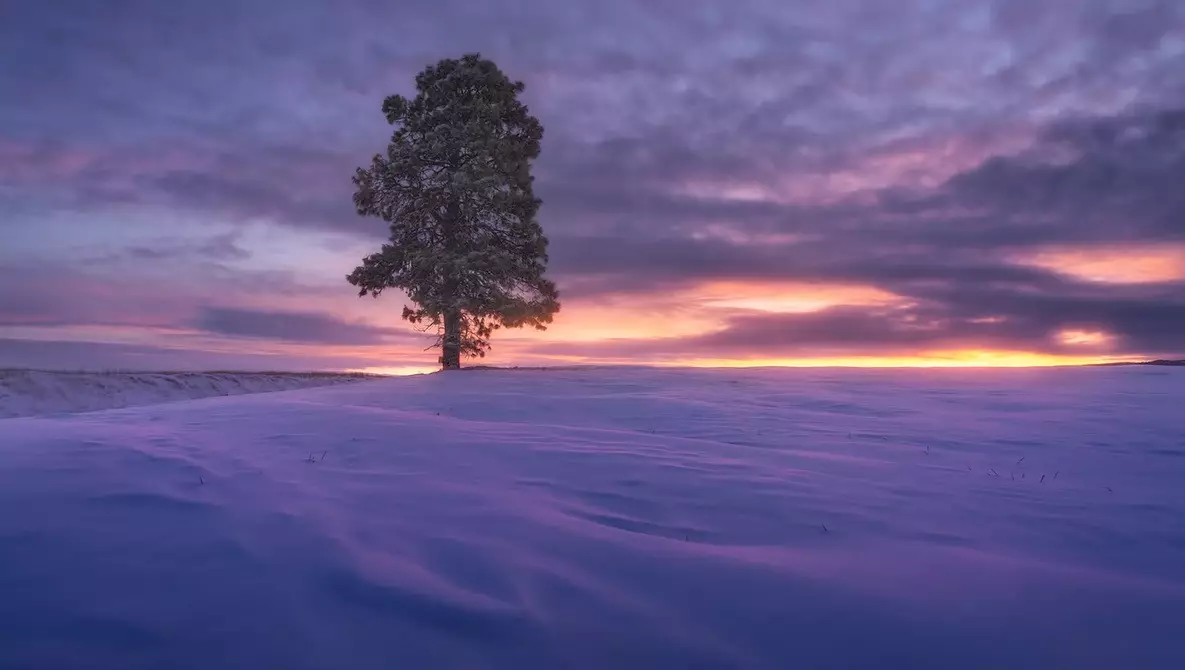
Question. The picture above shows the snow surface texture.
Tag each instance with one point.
(608, 519)
(41, 392)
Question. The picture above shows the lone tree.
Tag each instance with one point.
(455, 186)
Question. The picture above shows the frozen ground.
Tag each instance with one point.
(608, 519)
(42, 392)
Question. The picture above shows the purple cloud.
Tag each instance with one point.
(300, 327)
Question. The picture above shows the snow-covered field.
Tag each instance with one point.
(42, 392)
(608, 519)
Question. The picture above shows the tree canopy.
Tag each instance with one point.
(455, 186)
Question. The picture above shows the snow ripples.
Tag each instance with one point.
(628, 518)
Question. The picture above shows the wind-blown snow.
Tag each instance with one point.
(608, 519)
(42, 392)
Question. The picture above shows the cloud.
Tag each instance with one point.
(300, 327)
(769, 92)
(224, 247)
(65, 297)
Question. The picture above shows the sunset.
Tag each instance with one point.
(816, 184)
(592, 334)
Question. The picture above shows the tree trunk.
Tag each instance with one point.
(450, 357)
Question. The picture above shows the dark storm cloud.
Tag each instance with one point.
(300, 327)
(1143, 318)
(1113, 179)
(915, 146)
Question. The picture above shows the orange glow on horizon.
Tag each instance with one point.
(694, 310)
(945, 359)
(953, 359)
(396, 371)
(633, 318)
(961, 358)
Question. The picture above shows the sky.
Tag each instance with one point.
(740, 182)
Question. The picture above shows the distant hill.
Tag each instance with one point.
(1159, 361)
(45, 392)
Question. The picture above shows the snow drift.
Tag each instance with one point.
(41, 392)
(608, 519)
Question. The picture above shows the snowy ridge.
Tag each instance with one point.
(41, 392)
(608, 519)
